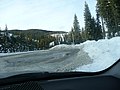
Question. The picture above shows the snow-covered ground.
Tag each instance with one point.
(103, 52)
(64, 47)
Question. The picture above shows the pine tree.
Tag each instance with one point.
(72, 36)
(115, 4)
(93, 32)
(110, 11)
(69, 37)
(6, 45)
(87, 19)
(103, 28)
(99, 33)
(104, 12)
(83, 35)
(76, 37)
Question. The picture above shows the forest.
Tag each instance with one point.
(106, 24)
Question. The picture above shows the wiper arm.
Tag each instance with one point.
(40, 76)
(24, 78)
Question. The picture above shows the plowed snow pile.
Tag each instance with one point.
(104, 53)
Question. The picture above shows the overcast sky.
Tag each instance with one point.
(55, 15)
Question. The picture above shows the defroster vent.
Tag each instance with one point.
(33, 85)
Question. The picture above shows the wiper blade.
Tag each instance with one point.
(40, 76)
(23, 78)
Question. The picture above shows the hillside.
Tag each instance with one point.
(28, 40)
(34, 32)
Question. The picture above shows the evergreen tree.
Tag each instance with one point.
(70, 37)
(83, 35)
(76, 37)
(115, 4)
(73, 35)
(110, 11)
(93, 31)
(98, 33)
(104, 10)
(103, 28)
(88, 25)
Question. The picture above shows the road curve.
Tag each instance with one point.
(45, 60)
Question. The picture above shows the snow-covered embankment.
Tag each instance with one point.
(104, 53)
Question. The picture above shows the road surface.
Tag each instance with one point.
(45, 60)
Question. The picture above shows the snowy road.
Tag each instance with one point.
(45, 60)
(90, 56)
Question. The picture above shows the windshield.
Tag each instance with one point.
(59, 35)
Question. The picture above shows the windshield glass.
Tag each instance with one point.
(59, 35)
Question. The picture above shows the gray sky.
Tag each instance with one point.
(55, 15)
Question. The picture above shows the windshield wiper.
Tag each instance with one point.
(40, 76)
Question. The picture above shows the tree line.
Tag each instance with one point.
(24, 40)
(109, 11)
(106, 24)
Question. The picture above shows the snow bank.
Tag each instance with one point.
(103, 52)
(64, 47)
